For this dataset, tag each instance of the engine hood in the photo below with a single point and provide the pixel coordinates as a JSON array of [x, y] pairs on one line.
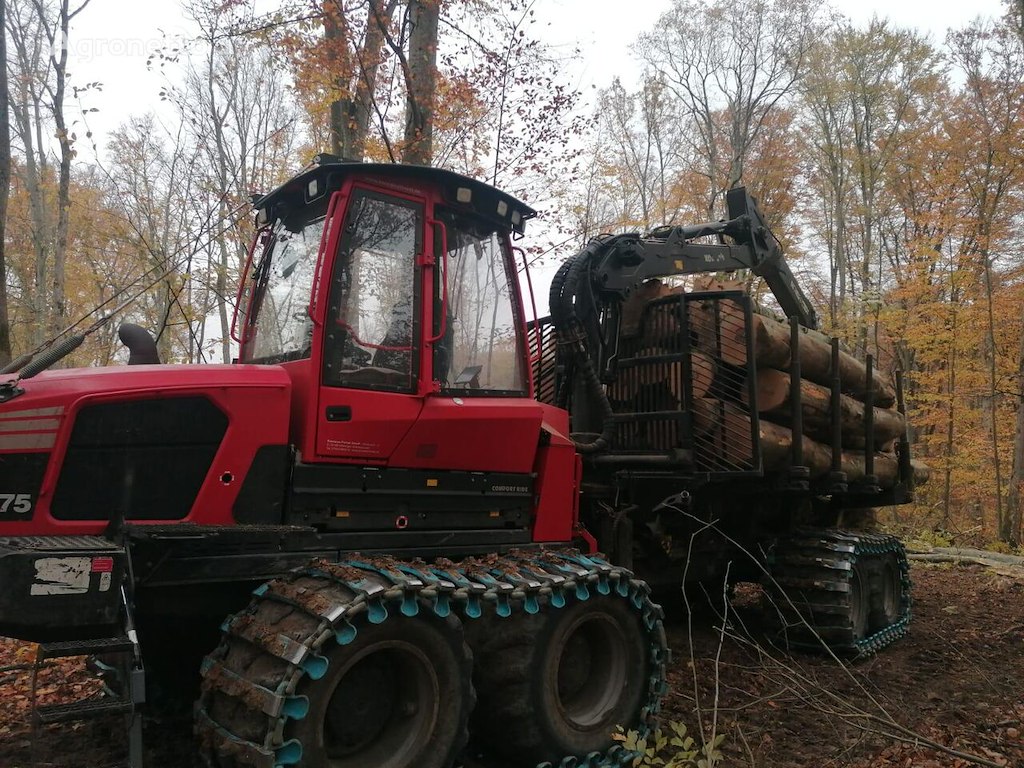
[[57, 386], [162, 442]]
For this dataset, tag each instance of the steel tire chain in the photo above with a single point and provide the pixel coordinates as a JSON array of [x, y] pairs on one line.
[[833, 553], [521, 580]]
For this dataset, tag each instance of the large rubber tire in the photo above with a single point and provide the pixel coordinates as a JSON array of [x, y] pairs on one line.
[[557, 683], [398, 697], [860, 601], [886, 593]]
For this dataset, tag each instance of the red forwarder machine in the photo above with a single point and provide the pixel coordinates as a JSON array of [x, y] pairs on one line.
[[400, 490]]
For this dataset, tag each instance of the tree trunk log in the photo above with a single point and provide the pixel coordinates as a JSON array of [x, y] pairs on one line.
[[718, 329], [773, 402], [777, 450], [981, 554], [708, 413], [660, 386], [771, 350], [886, 467], [633, 307], [777, 454]]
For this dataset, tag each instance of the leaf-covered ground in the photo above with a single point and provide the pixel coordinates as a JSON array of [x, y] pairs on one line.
[[957, 681]]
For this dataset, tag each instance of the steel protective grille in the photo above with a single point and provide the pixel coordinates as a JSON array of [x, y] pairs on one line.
[[682, 383], [725, 430], [648, 393]]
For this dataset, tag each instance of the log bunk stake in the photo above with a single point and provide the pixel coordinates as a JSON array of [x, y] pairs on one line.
[[799, 473]]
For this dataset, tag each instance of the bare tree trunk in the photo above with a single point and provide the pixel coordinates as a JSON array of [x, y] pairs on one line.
[[60, 250], [368, 61], [26, 106], [58, 36], [356, 74], [947, 486], [1002, 520], [334, 40], [5, 187], [34, 174], [222, 306], [218, 118], [419, 114], [1013, 500]]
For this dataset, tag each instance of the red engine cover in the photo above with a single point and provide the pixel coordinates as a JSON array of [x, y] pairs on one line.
[[36, 428]]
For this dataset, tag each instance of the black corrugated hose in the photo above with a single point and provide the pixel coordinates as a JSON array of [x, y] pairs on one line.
[[572, 335]]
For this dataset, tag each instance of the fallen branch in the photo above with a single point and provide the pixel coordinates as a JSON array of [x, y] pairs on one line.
[[26, 667], [935, 557], [967, 552], [976, 556]]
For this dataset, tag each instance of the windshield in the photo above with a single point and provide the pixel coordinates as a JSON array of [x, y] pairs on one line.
[[280, 328]]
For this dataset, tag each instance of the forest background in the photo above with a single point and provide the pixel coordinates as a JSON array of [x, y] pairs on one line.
[[890, 166]]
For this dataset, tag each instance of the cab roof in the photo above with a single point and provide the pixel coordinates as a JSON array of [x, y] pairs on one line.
[[327, 173]]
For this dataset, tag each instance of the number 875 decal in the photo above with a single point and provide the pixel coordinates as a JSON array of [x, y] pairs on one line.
[[19, 503]]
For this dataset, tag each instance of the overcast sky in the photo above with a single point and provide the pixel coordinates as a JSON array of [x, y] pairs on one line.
[[111, 40]]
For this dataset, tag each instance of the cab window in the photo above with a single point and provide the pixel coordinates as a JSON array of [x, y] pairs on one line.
[[480, 351], [373, 309]]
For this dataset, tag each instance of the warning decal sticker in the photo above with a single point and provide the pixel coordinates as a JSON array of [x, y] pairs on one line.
[[62, 576]]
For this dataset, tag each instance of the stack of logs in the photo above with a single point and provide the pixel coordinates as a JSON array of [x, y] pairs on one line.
[[722, 394], [773, 359]]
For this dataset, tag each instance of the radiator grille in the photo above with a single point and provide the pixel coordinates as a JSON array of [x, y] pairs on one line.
[[543, 354]]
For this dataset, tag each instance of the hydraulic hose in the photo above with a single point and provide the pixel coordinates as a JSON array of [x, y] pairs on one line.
[[559, 322], [564, 301]]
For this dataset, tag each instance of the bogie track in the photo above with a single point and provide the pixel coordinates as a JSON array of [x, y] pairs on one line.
[[844, 590], [365, 663]]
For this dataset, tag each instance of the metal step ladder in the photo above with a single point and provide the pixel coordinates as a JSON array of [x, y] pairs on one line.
[[118, 662]]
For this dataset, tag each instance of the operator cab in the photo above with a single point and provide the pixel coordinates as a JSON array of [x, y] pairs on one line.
[[392, 293]]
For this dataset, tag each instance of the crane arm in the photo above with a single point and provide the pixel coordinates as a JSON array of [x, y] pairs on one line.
[[626, 261]]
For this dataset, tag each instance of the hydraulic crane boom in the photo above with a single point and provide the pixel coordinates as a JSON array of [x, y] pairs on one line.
[[628, 260]]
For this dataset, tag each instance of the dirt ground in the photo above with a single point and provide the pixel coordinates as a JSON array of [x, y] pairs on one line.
[[957, 681]]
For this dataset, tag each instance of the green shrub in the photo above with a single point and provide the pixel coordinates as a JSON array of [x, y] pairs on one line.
[[671, 749], [999, 546], [935, 538]]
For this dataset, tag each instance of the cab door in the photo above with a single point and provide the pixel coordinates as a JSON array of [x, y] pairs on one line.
[[479, 416], [369, 388]]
